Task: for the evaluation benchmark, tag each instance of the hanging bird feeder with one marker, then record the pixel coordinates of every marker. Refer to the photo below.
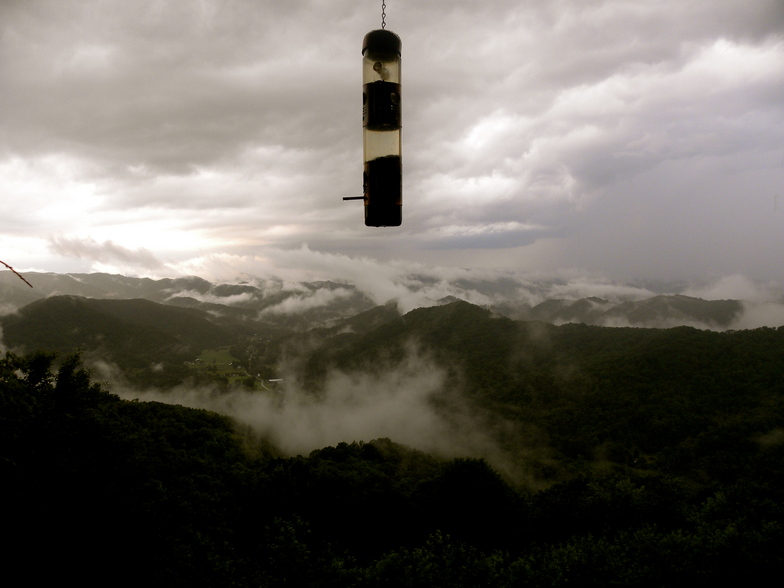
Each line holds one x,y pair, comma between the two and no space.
381,122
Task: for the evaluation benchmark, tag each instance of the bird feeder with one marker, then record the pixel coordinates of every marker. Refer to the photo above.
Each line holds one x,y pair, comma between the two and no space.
381,122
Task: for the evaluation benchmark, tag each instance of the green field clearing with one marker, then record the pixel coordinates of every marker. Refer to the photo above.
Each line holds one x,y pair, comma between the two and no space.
218,363
220,356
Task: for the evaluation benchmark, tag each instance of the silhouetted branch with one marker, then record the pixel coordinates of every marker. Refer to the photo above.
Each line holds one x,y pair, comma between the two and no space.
17,273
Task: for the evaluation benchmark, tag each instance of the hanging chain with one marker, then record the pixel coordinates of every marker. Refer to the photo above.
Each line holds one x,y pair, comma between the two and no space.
383,14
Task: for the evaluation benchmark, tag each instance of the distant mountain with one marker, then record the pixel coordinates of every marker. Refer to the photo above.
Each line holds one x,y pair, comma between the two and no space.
138,322
656,312
137,335
300,306
325,304
95,285
364,322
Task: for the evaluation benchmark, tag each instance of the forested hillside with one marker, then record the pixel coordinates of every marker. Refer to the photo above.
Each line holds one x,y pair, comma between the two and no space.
638,397
652,458
149,342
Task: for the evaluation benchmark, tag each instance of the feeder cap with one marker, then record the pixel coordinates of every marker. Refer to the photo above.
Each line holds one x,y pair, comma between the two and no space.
381,41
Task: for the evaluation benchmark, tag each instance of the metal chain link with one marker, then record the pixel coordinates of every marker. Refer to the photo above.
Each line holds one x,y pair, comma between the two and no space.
383,14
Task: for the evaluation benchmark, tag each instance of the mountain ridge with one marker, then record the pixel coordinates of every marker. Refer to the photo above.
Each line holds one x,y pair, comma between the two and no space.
305,305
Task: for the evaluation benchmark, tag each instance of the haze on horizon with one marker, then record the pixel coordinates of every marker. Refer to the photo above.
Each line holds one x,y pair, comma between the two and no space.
613,138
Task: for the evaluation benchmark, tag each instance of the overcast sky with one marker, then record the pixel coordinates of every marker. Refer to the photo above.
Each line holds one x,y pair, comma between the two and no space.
627,138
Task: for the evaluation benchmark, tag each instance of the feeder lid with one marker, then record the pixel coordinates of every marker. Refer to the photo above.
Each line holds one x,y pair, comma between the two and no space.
381,41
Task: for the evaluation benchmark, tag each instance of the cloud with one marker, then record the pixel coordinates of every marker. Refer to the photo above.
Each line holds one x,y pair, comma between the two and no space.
406,402
609,135
760,314
106,253
414,285
287,281
586,287
302,302
208,297
734,287
411,285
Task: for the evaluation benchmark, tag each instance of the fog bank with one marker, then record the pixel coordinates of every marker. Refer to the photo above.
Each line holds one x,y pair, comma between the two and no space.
407,402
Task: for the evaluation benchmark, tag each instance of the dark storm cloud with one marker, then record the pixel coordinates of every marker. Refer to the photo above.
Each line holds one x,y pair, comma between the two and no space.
163,84
626,137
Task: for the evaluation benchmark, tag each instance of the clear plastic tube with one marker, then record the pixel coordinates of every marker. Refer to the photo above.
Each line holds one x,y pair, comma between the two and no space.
381,121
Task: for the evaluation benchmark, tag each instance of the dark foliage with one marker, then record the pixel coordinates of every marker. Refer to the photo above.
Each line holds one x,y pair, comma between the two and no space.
133,334
669,445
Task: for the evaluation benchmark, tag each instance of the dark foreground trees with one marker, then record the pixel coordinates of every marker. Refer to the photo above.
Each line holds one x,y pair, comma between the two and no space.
104,491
